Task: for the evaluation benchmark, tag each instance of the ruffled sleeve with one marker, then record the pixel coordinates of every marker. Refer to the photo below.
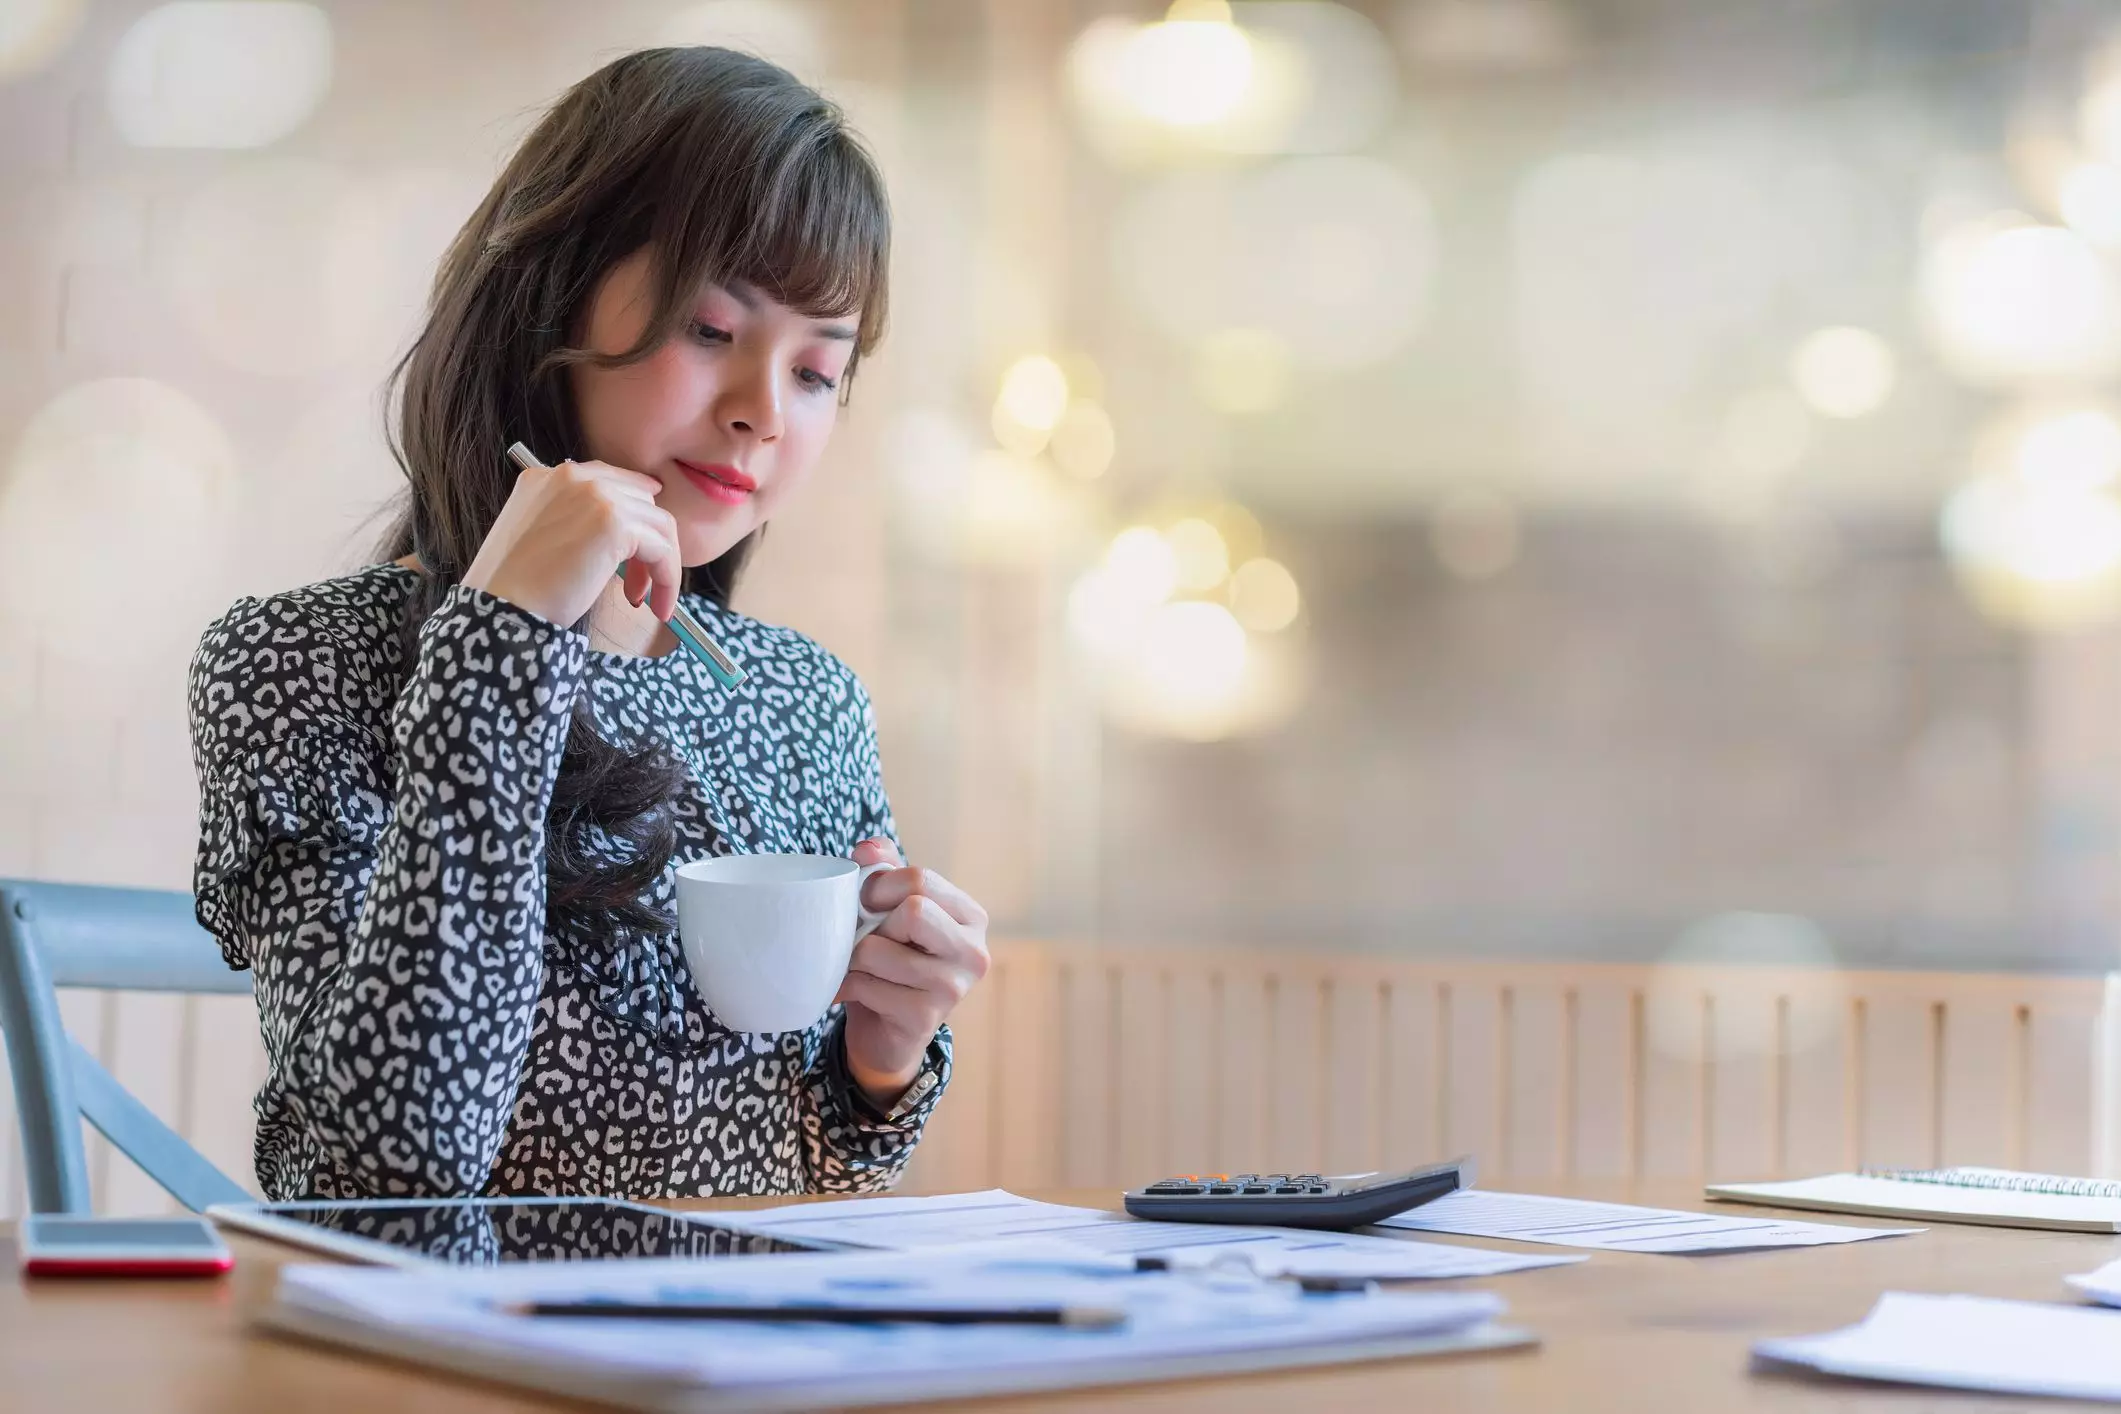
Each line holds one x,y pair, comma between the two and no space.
321,785
373,848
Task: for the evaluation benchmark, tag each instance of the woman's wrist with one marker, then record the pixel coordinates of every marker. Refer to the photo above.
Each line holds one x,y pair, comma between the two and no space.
884,1088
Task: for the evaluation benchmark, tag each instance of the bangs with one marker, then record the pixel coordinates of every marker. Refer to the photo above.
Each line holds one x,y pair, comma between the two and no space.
821,237
792,206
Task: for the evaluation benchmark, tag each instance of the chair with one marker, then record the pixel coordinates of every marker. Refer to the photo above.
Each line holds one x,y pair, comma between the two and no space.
74,935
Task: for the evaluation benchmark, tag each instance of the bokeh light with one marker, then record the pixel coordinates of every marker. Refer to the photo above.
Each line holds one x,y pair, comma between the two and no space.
1108,606
110,515
1242,371
1193,649
1016,512
1143,564
1263,596
1173,664
1272,76
2089,198
1035,392
1084,441
1475,533
1844,372
1333,255
2099,113
2011,302
219,73
1239,529
1186,72
1183,673
1323,80
2036,554
1203,559
2078,450
1192,674
32,32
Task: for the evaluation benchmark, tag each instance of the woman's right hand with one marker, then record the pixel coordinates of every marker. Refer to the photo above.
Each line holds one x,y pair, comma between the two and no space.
559,540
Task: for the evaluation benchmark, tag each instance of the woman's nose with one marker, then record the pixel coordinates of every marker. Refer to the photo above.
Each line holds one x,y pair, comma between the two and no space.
751,407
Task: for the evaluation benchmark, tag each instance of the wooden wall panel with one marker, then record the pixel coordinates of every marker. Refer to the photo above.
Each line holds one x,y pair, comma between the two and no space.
1472,1085
1743,1087
1098,1067
1412,1054
1538,1098
1897,1080
1355,1020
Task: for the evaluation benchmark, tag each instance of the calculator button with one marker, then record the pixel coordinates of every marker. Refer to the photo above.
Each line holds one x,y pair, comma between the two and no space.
1175,1188
1258,1188
1318,1188
1221,1189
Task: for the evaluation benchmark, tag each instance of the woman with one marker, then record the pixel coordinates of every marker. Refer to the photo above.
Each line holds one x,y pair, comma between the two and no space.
442,797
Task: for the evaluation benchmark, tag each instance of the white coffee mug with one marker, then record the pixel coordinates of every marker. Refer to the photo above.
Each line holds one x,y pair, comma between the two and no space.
768,936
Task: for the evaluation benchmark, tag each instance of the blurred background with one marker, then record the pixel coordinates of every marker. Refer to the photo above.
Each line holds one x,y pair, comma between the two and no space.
1587,479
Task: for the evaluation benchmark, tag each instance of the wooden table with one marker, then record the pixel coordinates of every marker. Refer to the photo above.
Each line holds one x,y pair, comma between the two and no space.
1621,1332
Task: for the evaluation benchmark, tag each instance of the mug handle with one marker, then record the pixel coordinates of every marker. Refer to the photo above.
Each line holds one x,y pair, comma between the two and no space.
867,920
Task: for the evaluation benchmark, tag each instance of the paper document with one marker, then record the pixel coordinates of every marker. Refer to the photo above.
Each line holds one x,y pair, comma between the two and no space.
2102,1286
1175,1323
899,1223
1967,1342
1932,1200
1619,1227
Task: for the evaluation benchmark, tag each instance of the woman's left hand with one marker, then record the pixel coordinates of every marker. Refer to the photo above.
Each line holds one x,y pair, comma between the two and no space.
930,950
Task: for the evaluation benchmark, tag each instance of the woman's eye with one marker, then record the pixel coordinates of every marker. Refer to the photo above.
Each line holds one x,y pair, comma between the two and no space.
708,334
811,378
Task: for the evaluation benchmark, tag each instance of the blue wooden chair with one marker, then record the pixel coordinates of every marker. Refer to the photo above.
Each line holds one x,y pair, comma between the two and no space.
73,935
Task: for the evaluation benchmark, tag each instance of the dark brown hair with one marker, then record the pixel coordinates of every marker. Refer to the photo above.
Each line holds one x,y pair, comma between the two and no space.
724,168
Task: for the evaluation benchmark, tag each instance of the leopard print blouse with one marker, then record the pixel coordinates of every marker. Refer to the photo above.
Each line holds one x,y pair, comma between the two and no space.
371,844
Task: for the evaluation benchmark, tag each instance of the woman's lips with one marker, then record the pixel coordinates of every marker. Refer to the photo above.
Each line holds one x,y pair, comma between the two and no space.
726,484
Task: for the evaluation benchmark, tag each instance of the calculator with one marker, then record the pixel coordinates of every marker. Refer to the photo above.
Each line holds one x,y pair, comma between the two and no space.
1296,1200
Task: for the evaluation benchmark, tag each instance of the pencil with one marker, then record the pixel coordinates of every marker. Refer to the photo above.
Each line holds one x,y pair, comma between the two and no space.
1074,1317
720,665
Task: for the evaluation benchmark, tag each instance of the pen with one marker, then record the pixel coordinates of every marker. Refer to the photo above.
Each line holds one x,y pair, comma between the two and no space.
1074,1317
1309,1285
720,665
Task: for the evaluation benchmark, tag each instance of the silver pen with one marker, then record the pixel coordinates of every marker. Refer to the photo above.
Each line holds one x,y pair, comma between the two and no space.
720,665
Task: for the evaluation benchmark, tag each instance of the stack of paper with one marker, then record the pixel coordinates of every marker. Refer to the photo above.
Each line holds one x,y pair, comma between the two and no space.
1967,1342
899,1224
1177,1324
2102,1286
1620,1227
1997,1204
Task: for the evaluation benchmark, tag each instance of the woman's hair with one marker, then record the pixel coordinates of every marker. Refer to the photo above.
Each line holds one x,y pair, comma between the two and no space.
722,167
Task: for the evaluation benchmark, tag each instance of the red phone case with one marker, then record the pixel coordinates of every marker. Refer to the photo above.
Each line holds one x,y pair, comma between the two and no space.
203,1266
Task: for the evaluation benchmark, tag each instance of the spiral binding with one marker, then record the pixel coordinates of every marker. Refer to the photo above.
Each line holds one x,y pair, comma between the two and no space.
2003,1180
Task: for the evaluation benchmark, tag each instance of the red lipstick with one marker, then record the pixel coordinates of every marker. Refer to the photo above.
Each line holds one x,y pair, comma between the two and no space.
726,484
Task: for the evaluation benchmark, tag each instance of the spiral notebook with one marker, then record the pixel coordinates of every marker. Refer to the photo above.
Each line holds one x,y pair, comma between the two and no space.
1996,1197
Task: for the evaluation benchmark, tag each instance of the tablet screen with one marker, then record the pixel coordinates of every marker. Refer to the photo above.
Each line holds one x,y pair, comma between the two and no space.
481,1232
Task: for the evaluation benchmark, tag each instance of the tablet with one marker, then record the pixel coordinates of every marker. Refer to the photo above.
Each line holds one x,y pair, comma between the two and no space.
485,1231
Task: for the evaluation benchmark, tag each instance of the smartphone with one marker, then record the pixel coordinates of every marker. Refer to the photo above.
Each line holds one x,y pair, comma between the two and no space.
51,1244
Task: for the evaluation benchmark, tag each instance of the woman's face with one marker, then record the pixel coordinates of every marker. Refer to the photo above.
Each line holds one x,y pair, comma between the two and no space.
729,414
